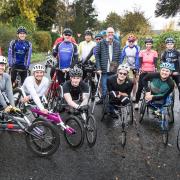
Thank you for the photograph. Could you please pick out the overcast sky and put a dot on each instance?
(104, 7)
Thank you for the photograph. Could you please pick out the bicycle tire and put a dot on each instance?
(36, 136)
(123, 138)
(91, 130)
(72, 139)
(178, 140)
(142, 110)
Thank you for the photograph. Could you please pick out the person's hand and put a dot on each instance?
(148, 97)
(15, 109)
(8, 109)
(25, 99)
(45, 111)
(99, 72)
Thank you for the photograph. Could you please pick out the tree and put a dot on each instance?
(167, 8)
(113, 20)
(135, 22)
(47, 14)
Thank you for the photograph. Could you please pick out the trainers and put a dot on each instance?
(136, 106)
(100, 101)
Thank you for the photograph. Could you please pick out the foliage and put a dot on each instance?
(7, 33)
(47, 14)
(42, 41)
(167, 8)
(54, 36)
(37, 57)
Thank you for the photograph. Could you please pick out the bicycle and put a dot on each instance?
(71, 127)
(125, 115)
(89, 123)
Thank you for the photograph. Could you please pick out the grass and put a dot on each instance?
(37, 57)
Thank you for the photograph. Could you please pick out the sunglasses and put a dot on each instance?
(131, 41)
(125, 74)
(67, 35)
(98, 39)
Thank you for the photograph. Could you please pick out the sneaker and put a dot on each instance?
(100, 101)
(136, 106)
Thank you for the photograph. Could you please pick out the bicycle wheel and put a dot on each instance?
(130, 113)
(178, 140)
(170, 114)
(123, 138)
(76, 139)
(142, 110)
(42, 138)
(91, 130)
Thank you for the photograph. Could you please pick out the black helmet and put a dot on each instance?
(170, 40)
(88, 32)
(68, 31)
(75, 72)
(21, 29)
(148, 40)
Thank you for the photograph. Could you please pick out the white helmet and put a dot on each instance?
(124, 67)
(38, 67)
(3, 60)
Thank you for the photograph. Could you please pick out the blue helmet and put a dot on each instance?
(103, 32)
(170, 40)
(167, 65)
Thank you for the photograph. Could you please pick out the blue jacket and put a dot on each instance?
(19, 53)
(67, 54)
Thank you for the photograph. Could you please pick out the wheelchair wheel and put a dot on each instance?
(178, 140)
(123, 138)
(142, 110)
(91, 130)
(76, 139)
(105, 104)
(42, 138)
(170, 114)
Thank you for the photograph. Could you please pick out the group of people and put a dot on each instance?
(124, 73)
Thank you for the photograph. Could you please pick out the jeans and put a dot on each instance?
(104, 84)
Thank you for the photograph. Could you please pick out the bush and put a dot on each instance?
(41, 41)
(7, 33)
(54, 36)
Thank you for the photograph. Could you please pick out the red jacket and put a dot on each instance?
(61, 39)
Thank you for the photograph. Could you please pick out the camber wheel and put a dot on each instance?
(43, 138)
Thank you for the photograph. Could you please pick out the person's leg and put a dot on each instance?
(23, 75)
(135, 82)
(13, 76)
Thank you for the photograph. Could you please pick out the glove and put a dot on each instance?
(15, 109)
(8, 109)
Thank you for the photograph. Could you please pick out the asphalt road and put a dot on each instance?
(144, 156)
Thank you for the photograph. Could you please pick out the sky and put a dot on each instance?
(104, 7)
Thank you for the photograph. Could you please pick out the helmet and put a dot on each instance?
(148, 40)
(170, 40)
(38, 67)
(21, 29)
(88, 32)
(103, 32)
(68, 31)
(167, 65)
(98, 36)
(124, 67)
(3, 60)
(131, 38)
(75, 72)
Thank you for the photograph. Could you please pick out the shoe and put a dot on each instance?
(136, 106)
(100, 101)
(113, 115)
(133, 99)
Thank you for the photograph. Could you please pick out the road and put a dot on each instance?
(144, 156)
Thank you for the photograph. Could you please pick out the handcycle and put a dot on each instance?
(89, 124)
(71, 127)
(42, 137)
(125, 115)
(162, 111)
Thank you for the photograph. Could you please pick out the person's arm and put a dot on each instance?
(44, 87)
(68, 98)
(55, 51)
(10, 53)
(29, 53)
(2, 101)
(9, 91)
(85, 98)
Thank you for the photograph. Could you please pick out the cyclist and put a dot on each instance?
(147, 63)
(76, 92)
(67, 55)
(171, 55)
(86, 46)
(161, 84)
(5, 87)
(119, 88)
(131, 53)
(36, 86)
(19, 55)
